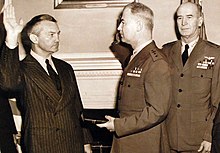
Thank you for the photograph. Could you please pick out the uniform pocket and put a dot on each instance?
(201, 80)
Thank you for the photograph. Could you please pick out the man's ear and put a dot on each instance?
(200, 21)
(33, 38)
(139, 25)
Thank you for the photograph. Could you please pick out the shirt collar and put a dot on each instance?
(139, 48)
(192, 44)
(38, 57)
(42, 60)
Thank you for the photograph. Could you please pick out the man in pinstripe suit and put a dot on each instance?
(51, 118)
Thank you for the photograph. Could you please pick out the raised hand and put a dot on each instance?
(12, 27)
(6, 3)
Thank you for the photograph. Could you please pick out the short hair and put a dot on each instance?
(198, 7)
(142, 11)
(29, 27)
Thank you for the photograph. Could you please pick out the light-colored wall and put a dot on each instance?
(91, 30)
(212, 20)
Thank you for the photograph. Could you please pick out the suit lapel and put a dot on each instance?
(65, 79)
(195, 56)
(176, 55)
(36, 72)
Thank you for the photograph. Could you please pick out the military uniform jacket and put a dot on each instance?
(50, 122)
(196, 88)
(143, 103)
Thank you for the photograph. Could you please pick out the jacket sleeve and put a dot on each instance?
(79, 107)
(9, 68)
(157, 90)
(215, 99)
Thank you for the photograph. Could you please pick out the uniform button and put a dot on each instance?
(180, 90)
(201, 76)
(181, 74)
(129, 85)
(178, 105)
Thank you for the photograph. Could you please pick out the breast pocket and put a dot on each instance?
(133, 93)
(201, 80)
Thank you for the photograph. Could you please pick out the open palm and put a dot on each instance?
(11, 25)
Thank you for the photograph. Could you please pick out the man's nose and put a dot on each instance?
(119, 27)
(57, 38)
(184, 21)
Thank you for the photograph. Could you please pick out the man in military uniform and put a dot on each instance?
(144, 89)
(195, 67)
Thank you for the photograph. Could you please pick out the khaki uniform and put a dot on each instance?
(196, 88)
(143, 103)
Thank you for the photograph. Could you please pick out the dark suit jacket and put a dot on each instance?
(195, 94)
(51, 123)
(143, 102)
(7, 124)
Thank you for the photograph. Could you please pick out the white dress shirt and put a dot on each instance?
(42, 62)
(139, 48)
(191, 46)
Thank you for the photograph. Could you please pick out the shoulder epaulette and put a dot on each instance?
(169, 43)
(155, 55)
(212, 44)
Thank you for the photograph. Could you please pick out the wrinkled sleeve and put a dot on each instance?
(9, 68)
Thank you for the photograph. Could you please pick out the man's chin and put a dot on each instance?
(54, 51)
(185, 34)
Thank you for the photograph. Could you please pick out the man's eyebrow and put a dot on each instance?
(183, 15)
(179, 15)
(54, 32)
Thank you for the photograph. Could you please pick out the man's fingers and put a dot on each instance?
(10, 11)
(7, 2)
(21, 22)
(101, 125)
(108, 117)
(3, 8)
(200, 148)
